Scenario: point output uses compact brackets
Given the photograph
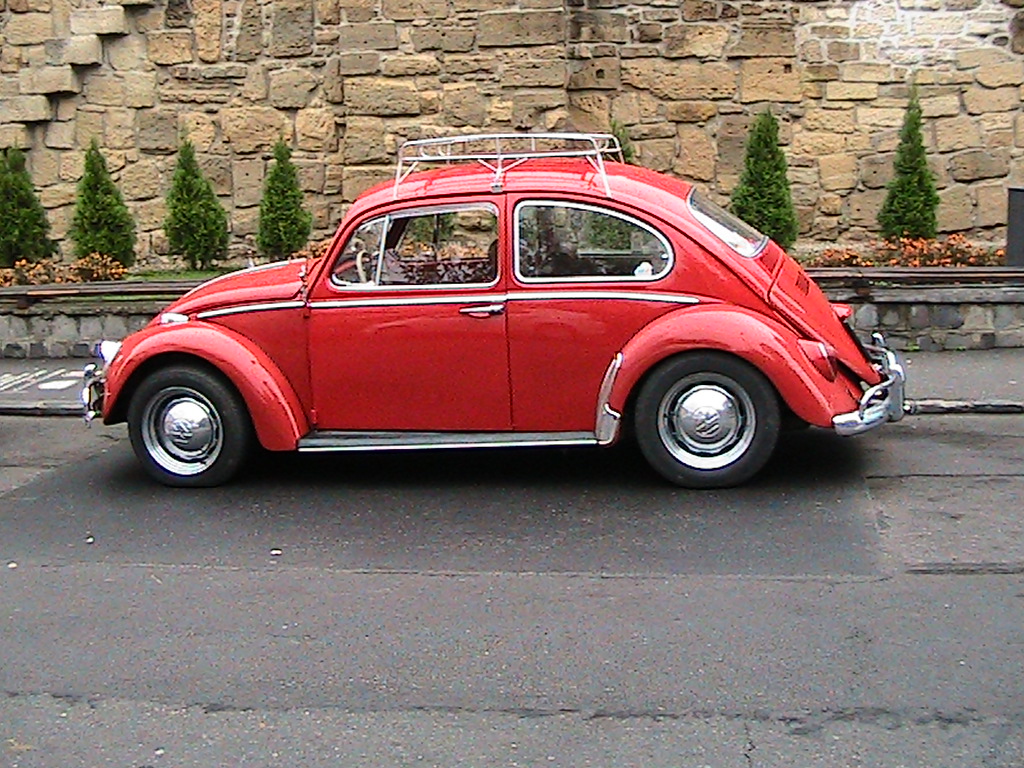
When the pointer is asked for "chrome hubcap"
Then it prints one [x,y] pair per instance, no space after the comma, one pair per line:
[706,421]
[182,431]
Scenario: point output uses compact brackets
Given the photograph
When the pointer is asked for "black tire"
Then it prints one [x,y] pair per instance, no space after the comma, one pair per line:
[189,428]
[707,420]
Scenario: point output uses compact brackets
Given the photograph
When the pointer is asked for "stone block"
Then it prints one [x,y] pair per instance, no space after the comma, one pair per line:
[542,73]
[816,143]
[463,104]
[697,154]
[107,20]
[356,180]
[142,180]
[169,46]
[773,80]
[863,207]
[956,209]
[680,81]
[656,154]
[875,118]
[511,28]
[127,53]
[27,6]
[28,109]
[946,105]
[769,41]
[704,41]
[975,164]
[253,129]
[598,27]
[690,111]
[28,28]
[837,171]
[451,39]
[414,10]
[104,90]
[956,133]
[291,28]
[139,89]
[247,182]
[1000,75]
[119,129]
[381,96]
[840,91]
[371,36]
[49,80]
[357,11]
[249,37]
[316,130]
[979,100]
[830,120]
[158,130]
[83,51]
[595,74]
[410,65]
[291,88]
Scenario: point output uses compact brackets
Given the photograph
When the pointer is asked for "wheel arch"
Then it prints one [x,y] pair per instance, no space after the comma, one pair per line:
[273,406]
[767,345]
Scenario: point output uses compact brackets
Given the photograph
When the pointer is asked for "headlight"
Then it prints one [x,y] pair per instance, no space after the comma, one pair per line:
[106,350]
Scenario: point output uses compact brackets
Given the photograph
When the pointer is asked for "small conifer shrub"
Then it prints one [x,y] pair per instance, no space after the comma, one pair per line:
[196,224]
[762,198]
[102,223]
[24,230]
[620,132]
[911,200]
[284,225]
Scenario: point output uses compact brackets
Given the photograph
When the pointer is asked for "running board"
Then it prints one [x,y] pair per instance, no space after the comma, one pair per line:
[410,441]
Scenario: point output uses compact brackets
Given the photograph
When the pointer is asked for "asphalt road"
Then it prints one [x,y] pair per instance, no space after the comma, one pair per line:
[861,603]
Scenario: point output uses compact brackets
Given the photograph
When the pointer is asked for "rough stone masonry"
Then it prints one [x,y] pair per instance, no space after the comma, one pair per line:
[343,81]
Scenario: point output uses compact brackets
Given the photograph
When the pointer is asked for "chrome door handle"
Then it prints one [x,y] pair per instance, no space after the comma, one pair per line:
[482,310]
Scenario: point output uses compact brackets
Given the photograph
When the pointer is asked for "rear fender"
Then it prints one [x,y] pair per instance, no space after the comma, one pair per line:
[276,411]
[766,344]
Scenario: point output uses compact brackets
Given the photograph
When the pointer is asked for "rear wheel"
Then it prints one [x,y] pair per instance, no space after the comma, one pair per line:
[707,420]
[188,427]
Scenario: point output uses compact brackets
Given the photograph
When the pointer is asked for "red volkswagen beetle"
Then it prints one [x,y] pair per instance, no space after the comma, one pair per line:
[532,292]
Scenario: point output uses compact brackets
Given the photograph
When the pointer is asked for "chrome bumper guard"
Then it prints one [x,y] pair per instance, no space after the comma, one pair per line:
[94,377]
[882,403]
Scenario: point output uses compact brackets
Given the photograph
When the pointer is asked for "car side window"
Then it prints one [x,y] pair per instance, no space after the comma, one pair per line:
[453,245]
[570,240]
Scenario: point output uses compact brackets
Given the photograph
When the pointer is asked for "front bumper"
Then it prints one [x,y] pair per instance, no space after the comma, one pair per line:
[94,379]
[882,403]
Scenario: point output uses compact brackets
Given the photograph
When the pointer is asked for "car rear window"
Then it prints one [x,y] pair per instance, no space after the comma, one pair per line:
[730,229]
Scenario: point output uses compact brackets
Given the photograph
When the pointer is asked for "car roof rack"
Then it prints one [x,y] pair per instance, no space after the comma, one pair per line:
[501,152]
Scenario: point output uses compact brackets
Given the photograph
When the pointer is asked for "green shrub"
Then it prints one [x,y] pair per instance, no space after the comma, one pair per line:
[620,132]
[24,230]
[102,223]
[284,225]
[762,197]
[911,200]
[196,224]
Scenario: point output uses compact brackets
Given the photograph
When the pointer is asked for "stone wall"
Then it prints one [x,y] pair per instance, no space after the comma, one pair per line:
[343,81]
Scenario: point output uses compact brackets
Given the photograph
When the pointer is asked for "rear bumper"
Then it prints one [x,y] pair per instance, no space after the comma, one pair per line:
[882,403]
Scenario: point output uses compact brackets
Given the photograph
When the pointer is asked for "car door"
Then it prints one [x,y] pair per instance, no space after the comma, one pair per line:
[407,332]
[586,279]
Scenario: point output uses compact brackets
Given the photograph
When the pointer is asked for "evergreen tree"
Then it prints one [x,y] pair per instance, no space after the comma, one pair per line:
[620,132]
[24,230]
[911,200]
[284,225]
[762,197]
[102,223]
[196,224]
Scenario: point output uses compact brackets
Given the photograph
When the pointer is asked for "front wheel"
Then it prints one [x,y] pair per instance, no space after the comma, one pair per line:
[707,420]
[188,427]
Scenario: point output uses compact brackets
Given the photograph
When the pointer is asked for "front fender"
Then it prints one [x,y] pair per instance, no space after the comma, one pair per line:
[276,411]
[764,343]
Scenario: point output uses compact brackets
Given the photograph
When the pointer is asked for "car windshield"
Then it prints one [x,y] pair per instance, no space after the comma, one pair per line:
[732,231]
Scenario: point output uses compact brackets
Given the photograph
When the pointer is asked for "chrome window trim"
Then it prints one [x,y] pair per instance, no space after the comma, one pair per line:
[244,308]
[407,213]
[589,278]
[398,301]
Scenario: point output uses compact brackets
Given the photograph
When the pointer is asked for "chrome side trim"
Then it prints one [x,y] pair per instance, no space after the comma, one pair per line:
[607,424]
[412,441]
[243,308]
[398,301]
[669,298]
